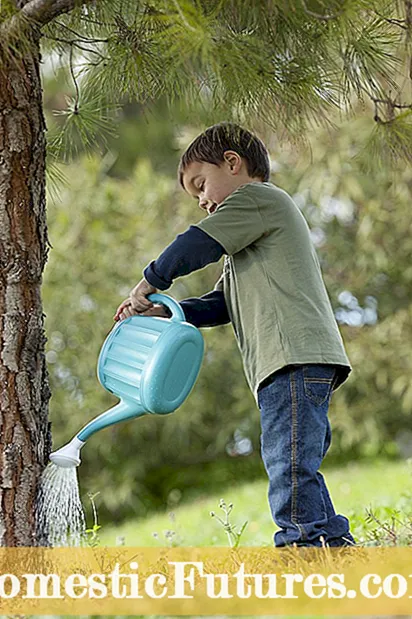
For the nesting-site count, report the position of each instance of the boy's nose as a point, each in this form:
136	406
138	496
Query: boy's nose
203	204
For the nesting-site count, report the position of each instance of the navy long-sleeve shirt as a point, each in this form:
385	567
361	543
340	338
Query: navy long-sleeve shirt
190	251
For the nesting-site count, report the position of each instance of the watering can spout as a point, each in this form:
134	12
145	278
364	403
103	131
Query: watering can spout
121	412
69	455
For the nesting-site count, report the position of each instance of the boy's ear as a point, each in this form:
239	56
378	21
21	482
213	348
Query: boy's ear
232	158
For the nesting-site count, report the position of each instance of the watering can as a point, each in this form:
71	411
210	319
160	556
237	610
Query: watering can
150	363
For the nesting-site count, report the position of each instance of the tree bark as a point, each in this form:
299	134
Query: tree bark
24	390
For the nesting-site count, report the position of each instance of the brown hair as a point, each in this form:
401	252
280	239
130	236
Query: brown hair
210	146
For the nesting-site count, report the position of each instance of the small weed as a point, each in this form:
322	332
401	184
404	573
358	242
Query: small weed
233	535
391	529
94	539
172	538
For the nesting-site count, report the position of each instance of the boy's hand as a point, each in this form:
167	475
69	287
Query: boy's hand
137	303
156	310
138	296
124	310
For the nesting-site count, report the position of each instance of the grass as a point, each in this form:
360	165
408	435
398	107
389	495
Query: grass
381	486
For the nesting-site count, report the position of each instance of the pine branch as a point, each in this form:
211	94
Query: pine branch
39	13
401	23
317	15
89	20
289	67
77	44
81	37
391	104
44	11
76	103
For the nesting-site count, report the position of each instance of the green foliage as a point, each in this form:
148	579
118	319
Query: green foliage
81	131
387	141
8	8
290	65
384	524
389	526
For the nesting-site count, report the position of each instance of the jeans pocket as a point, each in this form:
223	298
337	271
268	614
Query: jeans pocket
318	381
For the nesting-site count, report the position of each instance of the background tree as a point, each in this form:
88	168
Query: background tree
284	64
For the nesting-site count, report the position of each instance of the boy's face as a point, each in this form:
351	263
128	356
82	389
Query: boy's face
211	184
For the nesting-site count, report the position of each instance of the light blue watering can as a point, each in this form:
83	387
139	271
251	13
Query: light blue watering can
150	363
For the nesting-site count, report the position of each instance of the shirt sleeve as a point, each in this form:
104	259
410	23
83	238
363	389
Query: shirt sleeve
236	223
190	251
207	311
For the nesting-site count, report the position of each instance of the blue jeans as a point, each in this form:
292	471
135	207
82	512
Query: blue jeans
295	437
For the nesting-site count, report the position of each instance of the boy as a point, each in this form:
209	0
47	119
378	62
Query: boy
272	292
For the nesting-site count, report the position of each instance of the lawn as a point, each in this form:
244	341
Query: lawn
380	485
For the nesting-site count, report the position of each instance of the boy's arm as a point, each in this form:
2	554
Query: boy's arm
190	251
210	310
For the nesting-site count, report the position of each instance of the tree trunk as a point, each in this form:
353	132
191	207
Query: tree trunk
24	390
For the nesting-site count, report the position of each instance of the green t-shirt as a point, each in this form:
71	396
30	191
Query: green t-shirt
272	283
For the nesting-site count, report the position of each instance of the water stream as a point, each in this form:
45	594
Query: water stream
60	515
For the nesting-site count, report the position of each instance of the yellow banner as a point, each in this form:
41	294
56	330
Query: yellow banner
206	581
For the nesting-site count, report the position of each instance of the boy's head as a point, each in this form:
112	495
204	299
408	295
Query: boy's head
219	160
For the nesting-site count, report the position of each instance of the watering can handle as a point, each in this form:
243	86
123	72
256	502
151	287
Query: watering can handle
164	299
